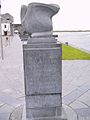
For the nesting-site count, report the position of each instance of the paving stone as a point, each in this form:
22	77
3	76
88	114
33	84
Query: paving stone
4	116
77	104
85	98
85	87
9	100
67	89
84	112
68	99
6	109
70	113
1	104
16	113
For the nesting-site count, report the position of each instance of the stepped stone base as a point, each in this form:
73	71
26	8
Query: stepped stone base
20	114
43	78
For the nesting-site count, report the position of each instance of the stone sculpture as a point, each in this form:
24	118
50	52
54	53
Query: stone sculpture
42	57
36	18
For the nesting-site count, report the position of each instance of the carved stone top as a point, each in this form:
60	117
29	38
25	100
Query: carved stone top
36	18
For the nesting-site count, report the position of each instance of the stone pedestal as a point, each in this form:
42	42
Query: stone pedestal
43	78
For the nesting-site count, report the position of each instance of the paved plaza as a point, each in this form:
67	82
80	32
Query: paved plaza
75	84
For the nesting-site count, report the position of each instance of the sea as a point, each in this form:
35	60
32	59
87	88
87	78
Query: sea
80	40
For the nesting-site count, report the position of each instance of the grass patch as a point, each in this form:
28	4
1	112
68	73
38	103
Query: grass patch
70	53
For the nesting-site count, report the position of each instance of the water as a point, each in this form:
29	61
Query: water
79	40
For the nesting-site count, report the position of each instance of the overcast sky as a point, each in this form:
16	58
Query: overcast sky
73	14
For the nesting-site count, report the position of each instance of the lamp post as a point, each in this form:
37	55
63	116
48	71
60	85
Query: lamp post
1	43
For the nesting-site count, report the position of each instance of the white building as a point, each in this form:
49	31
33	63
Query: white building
7	24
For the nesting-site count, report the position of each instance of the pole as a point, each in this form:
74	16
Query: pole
1	35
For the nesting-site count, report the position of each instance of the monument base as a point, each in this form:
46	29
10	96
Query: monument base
42	59
20	114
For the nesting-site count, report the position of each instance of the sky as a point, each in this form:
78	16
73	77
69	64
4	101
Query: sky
73	14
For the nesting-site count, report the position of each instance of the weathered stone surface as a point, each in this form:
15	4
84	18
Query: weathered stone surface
72	96
48	118
42	40
84	112
29	46
24	37
43	101
58	110
41	34
41	112
43	70
37	18
43	78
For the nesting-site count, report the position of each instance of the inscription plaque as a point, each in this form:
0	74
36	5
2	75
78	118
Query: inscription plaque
43	70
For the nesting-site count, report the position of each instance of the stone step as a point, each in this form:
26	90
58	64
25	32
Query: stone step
20	114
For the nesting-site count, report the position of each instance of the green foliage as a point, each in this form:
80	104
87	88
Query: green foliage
70	53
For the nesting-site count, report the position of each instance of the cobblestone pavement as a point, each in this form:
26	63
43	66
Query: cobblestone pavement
11	77
75	84
76	89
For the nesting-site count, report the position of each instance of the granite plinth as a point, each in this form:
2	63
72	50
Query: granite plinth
42	40
42	45
41	112
37	114
43	78
43	101
49	118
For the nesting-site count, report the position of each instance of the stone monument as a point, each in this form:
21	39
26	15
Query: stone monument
42	58
36	18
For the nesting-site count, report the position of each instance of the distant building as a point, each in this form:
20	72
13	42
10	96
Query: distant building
7	24
18	27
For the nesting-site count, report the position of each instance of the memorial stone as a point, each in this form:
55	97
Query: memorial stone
42	58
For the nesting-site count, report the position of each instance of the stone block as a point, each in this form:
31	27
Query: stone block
58	110
42	40
42	70
43	78
40	112
43	45
48	118
43	101
43	112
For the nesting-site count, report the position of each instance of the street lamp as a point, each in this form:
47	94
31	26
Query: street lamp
1	35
